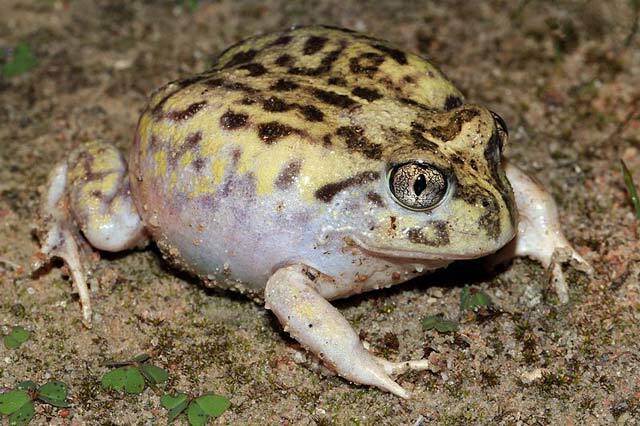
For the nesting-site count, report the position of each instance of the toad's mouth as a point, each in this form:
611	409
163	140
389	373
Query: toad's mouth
411	255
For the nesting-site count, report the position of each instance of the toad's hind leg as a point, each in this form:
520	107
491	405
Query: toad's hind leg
87	199
309	318
539	233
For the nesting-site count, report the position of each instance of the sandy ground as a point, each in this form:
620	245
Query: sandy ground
564	74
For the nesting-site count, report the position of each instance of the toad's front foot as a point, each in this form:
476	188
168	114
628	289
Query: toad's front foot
321	328
59	237
539	234
87	202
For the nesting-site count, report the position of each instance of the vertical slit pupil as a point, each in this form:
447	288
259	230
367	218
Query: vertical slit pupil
420	184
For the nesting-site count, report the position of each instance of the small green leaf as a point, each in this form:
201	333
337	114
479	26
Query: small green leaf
212	404
441	325
475	299
631	188
141	357
27	385
196	416
154	375
126	378
23	416
171	401
114	379
175	404
16	337
11	401
134	382
23	60
54	393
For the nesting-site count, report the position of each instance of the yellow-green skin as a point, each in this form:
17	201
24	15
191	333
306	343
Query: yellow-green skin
279	154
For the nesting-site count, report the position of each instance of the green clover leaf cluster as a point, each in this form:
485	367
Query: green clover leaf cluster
199	410
132	376
18	404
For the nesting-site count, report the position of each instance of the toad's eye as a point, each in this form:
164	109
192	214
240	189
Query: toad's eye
417	186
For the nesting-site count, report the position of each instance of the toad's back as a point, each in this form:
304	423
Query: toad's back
280	120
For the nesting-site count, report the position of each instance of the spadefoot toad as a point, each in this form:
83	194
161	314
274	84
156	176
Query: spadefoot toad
305	166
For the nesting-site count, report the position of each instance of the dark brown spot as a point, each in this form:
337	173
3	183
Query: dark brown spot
398	55
272	131
227	50
311	113
186	82
215	82
357	141
366	63
327	192
281	41
418	126
273	104
490	219
326	140
375	198
365	93
288	175
450	130
409	79
441	237
456	159
333	98
283	85
240	87
236	87
186	113
414	103
198	164
284	60
231	120
241	58
452	102
325	64
157	112
255	70
337	81
419	141
235	156
154	141
313	45
192	140
247	101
